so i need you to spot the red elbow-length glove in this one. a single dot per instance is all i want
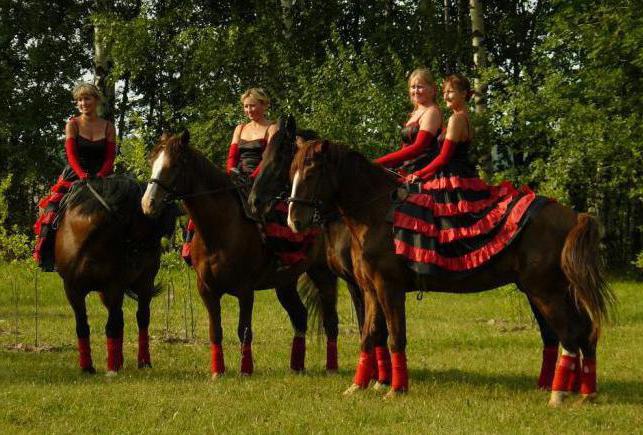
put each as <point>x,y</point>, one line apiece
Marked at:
<point>422,142</point>
<point>72,157</point>
<point>108,162</point>
<point>448,148</point>
<point>233,157</point>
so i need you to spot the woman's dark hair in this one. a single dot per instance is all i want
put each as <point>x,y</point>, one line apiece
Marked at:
<point>459,82</point>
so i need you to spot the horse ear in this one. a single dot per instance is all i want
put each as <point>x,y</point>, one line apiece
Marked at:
<point>185,137</point>
<point>322,147</point>
<point>291,125</point>
<point>164,136</point>
<point>300,141</point>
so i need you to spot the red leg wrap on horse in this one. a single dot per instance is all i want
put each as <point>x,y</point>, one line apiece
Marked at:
<point>400,380</point>
<point>548,367</point>
<point>331,355</point>
<point>114,354</point>
<point>84,353</point>
<point>566,373</point>
<point>247,366</point>
<point>364,372</point>
<point>588,376</point>
<point>218,365</point>
<point>383,358</point>
<point>298,354</point>
<point>144,347</point>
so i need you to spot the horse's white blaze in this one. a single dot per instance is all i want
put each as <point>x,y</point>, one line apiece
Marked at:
<point>152,188</point>
<point>293,194</point>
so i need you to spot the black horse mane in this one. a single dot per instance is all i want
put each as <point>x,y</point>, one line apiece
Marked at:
<point>121,193</point>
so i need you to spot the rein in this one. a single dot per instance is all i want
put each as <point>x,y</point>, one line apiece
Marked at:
<point>173,194</point>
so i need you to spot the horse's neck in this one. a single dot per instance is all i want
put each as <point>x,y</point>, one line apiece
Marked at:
<point>364,190</point>
<point>211,204</point>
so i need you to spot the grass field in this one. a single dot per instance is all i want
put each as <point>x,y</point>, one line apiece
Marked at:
<point>473,364</point>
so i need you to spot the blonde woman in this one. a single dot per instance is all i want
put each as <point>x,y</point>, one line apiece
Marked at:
<point>90,148</point>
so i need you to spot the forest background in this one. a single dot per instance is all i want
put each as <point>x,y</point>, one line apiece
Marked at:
<point>559,102</point>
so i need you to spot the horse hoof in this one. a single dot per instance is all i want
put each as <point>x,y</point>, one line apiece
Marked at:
<point>297,371</point>
<point>245,374</point>
<point>216,376</point>
<point>557,398</point>
<point>332,371</point>
<point>352,390</point>
<point>111,373</point>
<point>392,394</point>
<point>378,386</point>
<point>89,370</point>
<point>587,399</point>
<point>144,365</point>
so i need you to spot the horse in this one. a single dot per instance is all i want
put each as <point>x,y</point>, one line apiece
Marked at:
<point>273,180</point>
<point>229,255</point>
<point>554,261</point>
<point>104,243</point>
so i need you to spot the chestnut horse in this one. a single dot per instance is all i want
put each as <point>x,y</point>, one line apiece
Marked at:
<point>228,253</point>
<point>273,181</point>
<point>104,243</point>
<point>555,261</point>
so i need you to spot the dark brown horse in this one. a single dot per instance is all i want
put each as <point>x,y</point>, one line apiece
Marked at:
<point>274,180</point>
<point>555,261</point>
<point>229,255</point>
<point>104,243</point>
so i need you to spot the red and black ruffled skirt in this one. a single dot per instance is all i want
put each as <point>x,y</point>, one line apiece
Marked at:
<point>288,246</point>
<point>455,223</point>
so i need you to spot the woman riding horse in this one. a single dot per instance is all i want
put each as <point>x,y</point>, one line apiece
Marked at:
<point>90,147</point>
<point>458,235</point>
<point>246,149</point>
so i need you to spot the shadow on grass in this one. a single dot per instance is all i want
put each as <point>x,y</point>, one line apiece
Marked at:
<point>618,391</point>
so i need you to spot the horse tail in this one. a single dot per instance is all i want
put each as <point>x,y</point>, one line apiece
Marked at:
<point>156,290</point>
<point>311,297</point>
<point>581,263</point>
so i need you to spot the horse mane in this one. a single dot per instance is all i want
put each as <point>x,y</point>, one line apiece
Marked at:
<point>338,154</point>
<point>199,165</point>
<point>121,192</point>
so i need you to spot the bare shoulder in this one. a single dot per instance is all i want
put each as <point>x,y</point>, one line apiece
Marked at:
<point>236,136</point>
<point>457,128</point>
<point>71,128</point>
<point>431,120</point>
<point>273,128</point>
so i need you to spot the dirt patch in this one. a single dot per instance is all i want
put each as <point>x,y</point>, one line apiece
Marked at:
<point>26,347</point>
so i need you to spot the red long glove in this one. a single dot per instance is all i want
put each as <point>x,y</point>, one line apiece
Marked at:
<point>256,171</point>
<point>448,148</point>
<point>422,142</point>
<point>72,157</point>
<point>108,161</point>
<point>233,157</point>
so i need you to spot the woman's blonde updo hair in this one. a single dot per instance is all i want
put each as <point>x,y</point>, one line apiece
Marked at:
<point>258,94</point>
<point>82,89</point>
<point>425,75</point>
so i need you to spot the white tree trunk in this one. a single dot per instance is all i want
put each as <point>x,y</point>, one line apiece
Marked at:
<point>479,53</point>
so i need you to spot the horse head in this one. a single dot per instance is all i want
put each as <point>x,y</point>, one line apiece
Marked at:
<point>168,175</point>
<point>275,165</point>
<point>312,188</point>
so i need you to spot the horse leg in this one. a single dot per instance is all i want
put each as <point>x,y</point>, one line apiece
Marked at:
<point>366,369</point>
<point>357,297</point>
<point>382,354</point>
<point>113,300</point>
<point>244,330</point>
<point>290,300</point>
<point>326,282</point>
<point>550,349</point>
<point>574,329</point>
<point>212,304</point>
<point>143,322</point>
<point>77,302</point>
<point>392,301</point>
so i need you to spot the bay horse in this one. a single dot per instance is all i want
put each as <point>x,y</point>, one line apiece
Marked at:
<point>104,243</point>
<point>229,256</point>
<point>554,261</point>
<point>274,180</point>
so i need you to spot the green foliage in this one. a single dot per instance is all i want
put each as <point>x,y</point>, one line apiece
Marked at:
<point>13,244</point>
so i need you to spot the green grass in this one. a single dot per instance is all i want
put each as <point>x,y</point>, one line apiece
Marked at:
<point>468,373</point>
